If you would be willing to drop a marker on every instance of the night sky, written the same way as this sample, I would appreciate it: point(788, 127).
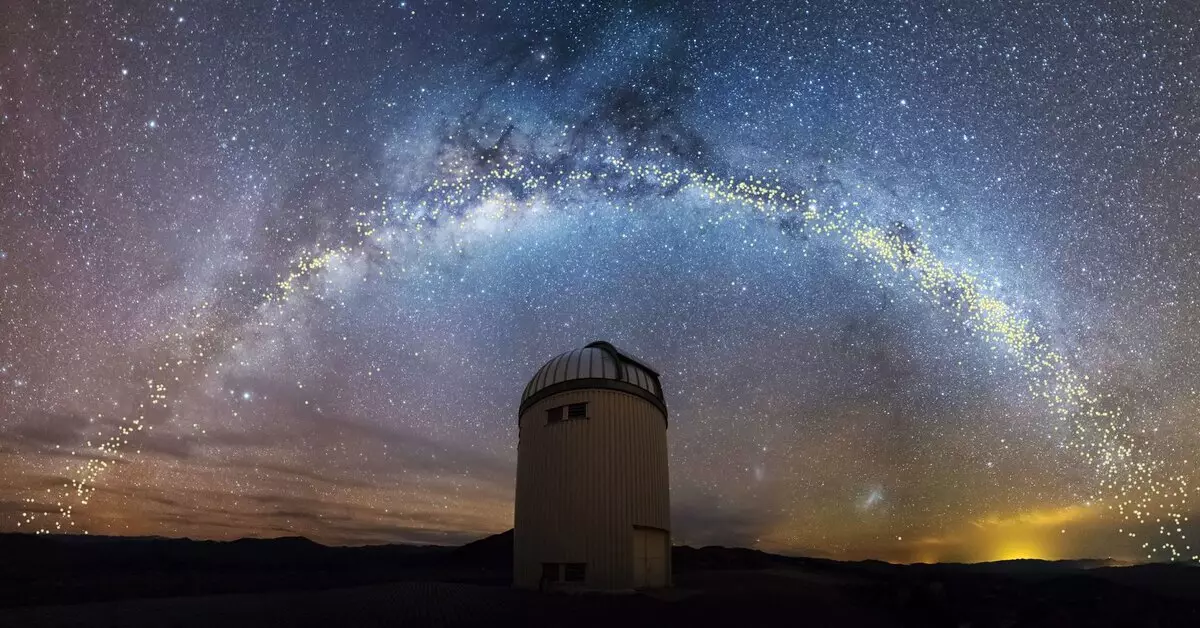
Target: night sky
point(922, 281)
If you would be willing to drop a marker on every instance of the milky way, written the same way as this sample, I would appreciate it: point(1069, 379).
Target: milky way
point(921, 281)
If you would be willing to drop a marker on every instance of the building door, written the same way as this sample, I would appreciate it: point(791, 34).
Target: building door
point(649, 557)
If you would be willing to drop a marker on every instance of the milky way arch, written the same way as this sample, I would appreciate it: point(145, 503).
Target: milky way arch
point(497, 189)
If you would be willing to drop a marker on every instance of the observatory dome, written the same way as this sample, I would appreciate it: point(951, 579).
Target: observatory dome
point(593, 498)
point(597, 365)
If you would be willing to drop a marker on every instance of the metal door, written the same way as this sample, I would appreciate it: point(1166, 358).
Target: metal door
point(649, 557)
point(639, 557)
point(656, 558)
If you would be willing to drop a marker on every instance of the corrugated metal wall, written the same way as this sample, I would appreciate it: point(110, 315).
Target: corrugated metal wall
point(583, 484)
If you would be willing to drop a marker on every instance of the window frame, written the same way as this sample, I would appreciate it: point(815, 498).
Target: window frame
point(574, 569)
point(563, 413)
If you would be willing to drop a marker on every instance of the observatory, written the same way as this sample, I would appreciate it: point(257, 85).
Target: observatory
point(592, 508)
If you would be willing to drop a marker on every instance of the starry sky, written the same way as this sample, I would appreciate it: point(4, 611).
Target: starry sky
point(921, 278)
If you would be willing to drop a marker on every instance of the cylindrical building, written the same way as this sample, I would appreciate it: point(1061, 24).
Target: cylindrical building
point(592, 508)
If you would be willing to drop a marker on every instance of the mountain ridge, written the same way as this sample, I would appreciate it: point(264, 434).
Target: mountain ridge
point(491, 546)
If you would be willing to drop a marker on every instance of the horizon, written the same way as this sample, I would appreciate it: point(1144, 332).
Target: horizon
point(921, 281)
point(1113, 562)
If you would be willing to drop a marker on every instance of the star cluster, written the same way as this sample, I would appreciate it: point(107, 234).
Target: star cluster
point(921, 280)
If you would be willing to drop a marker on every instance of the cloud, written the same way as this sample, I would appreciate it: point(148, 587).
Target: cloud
point(1040, 518)
point(40, 428)
point(320, 519)
point(702, 520)
point(317, 426)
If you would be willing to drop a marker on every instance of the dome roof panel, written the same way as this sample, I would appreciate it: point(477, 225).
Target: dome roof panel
point(598, 365)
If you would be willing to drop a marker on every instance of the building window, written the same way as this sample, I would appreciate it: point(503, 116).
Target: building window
point(550, 572)
point(563, 413)
point(575, 572)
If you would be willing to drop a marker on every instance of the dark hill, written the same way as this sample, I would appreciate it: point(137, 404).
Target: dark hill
point(495, 551)
point(69, 568)
point(294, 581)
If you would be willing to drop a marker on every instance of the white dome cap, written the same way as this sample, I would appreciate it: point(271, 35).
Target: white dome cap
point(598, 365)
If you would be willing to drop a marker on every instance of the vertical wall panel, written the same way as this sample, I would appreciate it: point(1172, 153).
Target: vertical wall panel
point(582, 486)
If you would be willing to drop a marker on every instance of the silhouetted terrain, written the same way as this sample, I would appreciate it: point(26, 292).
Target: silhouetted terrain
point(110, 581)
